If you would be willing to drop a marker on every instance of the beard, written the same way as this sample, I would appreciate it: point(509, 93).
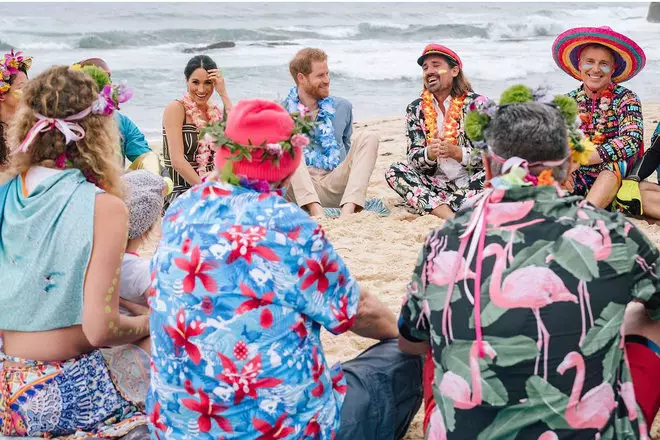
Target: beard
point(436, 87)
point(316, 92)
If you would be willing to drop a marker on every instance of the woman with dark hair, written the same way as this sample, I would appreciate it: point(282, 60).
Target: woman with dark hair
point(186, 160)
point(13, 76)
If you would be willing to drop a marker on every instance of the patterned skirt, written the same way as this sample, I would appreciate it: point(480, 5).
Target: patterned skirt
point(77, 398)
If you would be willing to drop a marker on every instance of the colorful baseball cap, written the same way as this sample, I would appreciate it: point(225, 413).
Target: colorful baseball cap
point(439, 49)
point(629, 57)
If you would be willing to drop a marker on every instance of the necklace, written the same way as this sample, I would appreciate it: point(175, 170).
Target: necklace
point(452, 117)
point(213, 115)
point(598, 113)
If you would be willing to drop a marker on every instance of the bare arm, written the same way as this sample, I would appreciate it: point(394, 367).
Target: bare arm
point(172, 121)
point(410, 347)
point(374, 320)
point(102, 324)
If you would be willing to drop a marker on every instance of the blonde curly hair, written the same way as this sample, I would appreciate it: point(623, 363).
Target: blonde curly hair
point(60, 92)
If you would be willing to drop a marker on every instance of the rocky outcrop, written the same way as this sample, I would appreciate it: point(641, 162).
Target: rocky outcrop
point(654, 13)
point(218, 45)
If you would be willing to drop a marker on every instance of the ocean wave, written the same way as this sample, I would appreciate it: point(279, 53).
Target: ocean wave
point(534, 27)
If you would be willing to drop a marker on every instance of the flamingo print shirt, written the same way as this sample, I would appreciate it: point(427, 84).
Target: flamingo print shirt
point(242, 283)
point(556, 277)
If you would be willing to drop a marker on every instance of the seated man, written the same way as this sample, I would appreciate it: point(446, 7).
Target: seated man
point(337, 165)
point(510, 347)
point(239, 300)
point(134, 146)
point(441, 172)
point(610, 114)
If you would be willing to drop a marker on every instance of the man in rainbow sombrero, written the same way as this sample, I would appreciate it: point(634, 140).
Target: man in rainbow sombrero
point(441, 171)
point(610, 115)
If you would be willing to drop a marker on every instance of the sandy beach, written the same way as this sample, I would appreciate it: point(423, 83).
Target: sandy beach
point(381, 252)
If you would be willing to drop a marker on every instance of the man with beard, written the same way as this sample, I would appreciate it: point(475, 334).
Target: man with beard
point(337, 164)
point(442, 171)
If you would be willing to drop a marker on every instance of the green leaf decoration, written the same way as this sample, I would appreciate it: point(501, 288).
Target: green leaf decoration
point(644, 289)
point(511, 351)
point(608, 434)
point(99, 76)
point(518, 236)
point(516, 94)
point(489, 315)
point(533, 255)
point(567, 107)
point(577, 259)
point(547, 402)
point(436, 296)
point(456, 358)
point(619, 258)
point(475, 123)
point(612, 362)
point(606, 328)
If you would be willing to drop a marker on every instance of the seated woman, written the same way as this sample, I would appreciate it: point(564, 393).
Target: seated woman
point(522, 350)
point(13, 76)
point(186, 160)
point(63, 231)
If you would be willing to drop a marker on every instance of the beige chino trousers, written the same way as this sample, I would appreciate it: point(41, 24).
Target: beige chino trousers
point(348, 183)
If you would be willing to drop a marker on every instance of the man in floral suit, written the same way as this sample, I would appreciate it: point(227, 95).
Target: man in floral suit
point(243, 283)
point(442, 171)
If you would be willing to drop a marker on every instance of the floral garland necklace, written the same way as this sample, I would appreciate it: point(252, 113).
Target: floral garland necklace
point(452, 117)
point(600, 113)
point(213, 115)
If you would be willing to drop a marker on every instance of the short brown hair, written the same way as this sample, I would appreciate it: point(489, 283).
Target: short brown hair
point(302, 62)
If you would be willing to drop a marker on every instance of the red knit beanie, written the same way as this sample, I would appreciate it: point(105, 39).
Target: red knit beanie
point(253, 122)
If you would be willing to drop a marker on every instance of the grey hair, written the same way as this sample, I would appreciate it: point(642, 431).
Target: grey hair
point(531, 131)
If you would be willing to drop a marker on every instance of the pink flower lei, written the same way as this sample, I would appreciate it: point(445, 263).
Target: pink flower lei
point(213, 115)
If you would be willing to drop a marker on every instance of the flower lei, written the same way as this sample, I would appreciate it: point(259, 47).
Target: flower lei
point(11, 64)
point(452, 117)
point(601, 114)
point(213, 115)
point(213, 136)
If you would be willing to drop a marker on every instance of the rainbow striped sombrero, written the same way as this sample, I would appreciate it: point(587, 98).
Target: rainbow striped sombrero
point(630, 58)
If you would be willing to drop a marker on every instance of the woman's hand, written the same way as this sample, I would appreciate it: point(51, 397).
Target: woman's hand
point(218, 79)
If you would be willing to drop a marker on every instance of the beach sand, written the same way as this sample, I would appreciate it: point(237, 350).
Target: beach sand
point(381, 252)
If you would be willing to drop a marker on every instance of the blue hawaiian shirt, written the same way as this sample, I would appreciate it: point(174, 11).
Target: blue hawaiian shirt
point(242, 283)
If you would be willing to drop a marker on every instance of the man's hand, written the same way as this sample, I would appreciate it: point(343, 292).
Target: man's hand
point(374, 320)
point(442, 149)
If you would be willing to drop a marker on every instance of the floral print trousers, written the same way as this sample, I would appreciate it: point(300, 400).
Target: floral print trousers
point(424, 193)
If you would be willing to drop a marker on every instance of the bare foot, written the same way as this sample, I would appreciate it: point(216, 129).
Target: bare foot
point(315, 210)
point(348, 209)
point(444, 212)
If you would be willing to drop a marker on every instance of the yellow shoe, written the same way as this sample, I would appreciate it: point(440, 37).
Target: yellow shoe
point(629, 197)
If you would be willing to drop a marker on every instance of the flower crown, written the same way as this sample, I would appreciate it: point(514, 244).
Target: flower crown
point(214, 136)
point(11, 64)
point(478, 119)
point(110, 95)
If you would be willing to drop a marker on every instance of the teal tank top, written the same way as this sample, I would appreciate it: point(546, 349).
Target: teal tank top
point(45, 245)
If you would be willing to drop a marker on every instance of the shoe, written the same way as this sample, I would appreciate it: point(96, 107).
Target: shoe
point(629, 197)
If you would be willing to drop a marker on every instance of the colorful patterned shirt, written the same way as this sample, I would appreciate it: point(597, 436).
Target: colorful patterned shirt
point(243, 282)
point(416, 132)
point(624, 130)
point(557, 275)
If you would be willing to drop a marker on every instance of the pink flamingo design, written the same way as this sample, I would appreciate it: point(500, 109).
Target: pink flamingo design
point(530, 287)
point(601, 244)
point(457, 388)
point(436, 428)
point(594, 408)
point(445, 266)
point(548, 435)
point(505, 212)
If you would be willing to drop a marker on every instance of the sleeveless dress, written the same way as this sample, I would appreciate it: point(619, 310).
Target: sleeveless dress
point(190, 145)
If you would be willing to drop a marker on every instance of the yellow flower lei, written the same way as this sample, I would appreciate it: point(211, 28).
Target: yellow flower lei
point(453, 115)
